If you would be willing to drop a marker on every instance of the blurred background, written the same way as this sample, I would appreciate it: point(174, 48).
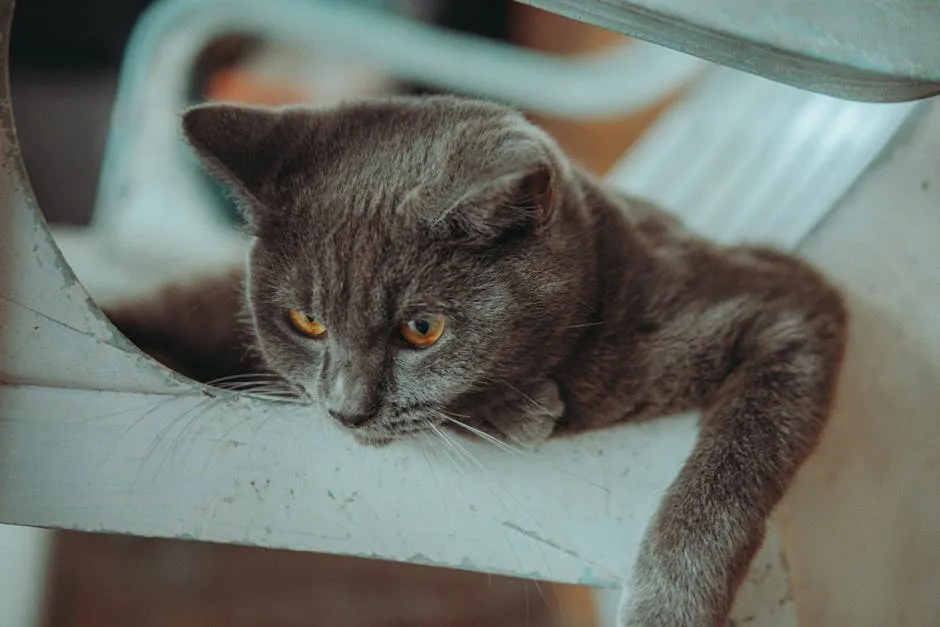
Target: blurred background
point(66, 56)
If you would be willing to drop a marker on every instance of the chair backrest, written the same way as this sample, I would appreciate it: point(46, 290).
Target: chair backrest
point(869, 50)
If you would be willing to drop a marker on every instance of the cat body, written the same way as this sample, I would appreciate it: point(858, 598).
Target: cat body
point(564, 306)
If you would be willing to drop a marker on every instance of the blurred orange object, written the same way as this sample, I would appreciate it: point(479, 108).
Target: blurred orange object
point(599, 143)
point(244, 86)
point(576, 605)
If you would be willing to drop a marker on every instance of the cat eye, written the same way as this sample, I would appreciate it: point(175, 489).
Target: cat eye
point(423, 332)
point(306, 325)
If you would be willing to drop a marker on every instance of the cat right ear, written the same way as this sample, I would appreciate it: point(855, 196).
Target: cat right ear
point(241, 146)
point(504, 207)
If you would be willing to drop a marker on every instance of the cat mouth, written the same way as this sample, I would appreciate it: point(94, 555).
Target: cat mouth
point(403, 422)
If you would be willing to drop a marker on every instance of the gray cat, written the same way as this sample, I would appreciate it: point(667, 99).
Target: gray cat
point(419, 258)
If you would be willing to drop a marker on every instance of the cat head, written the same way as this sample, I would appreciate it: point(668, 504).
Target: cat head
point(408, 253)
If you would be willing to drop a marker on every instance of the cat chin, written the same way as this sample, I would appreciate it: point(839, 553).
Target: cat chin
point(379, 438)
point(373, 441)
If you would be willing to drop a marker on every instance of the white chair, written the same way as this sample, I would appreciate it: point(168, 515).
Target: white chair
point(96, 436)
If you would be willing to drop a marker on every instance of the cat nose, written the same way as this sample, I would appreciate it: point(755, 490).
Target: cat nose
point(350, 420)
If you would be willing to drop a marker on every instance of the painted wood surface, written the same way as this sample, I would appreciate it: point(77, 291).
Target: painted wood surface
point(861, 525)
point(872, 50)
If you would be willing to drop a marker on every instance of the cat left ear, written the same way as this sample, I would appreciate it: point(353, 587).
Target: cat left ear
point(505, 207)
point(242, 146)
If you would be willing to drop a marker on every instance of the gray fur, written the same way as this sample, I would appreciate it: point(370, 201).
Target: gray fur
point(569, 307)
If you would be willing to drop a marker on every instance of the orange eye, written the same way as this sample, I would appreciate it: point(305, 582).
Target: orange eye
point(423, 332)
point(303, 323)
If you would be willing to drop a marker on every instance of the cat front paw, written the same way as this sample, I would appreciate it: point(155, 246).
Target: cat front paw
point(538, 409)
point(649, 607)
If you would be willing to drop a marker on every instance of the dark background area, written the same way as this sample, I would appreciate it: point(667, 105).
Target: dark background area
point(65, 57)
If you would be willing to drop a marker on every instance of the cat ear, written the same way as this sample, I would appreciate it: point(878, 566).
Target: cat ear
point(507, 206)
point(242, 146)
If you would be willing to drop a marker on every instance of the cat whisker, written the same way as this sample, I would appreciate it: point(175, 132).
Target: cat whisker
point(453, 414)
point(586, 324)
point(437, 478)
point(179, 438)
point(259, 386)
point(485, 436)
point(277, 392)
point(460, 449)
point(240, 385)
point(274, 388)
point(447, 442)
point(496, 489)
point(275, 396)
point(271, 391)
point(139, 420)
point(445, 450)
point(452, 448)
point(264, 391)
point(525, 396)
point(161, 436)
point(245, 376)
point(280, 397)
point(450, 443)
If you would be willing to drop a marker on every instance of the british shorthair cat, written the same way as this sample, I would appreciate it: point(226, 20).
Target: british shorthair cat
point(416, 259)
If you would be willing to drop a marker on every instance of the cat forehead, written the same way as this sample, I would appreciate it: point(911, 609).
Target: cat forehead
point(351, 246)
point(412, 139)
point(410, 162)
point(396, 168)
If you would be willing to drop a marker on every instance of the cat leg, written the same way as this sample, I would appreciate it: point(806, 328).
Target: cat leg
point(763, 421)
point(197, 328)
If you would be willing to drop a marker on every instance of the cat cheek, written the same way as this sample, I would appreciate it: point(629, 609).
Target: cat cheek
point(287, 359)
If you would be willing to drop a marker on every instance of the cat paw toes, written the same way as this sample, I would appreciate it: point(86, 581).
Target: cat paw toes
point(533, 430)
point(542, 408)
point(546, 400)
point(655, 614)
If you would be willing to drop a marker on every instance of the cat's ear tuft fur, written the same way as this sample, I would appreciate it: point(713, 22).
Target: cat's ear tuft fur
point(242, 146)
point(237, 143)
point(505, 207)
